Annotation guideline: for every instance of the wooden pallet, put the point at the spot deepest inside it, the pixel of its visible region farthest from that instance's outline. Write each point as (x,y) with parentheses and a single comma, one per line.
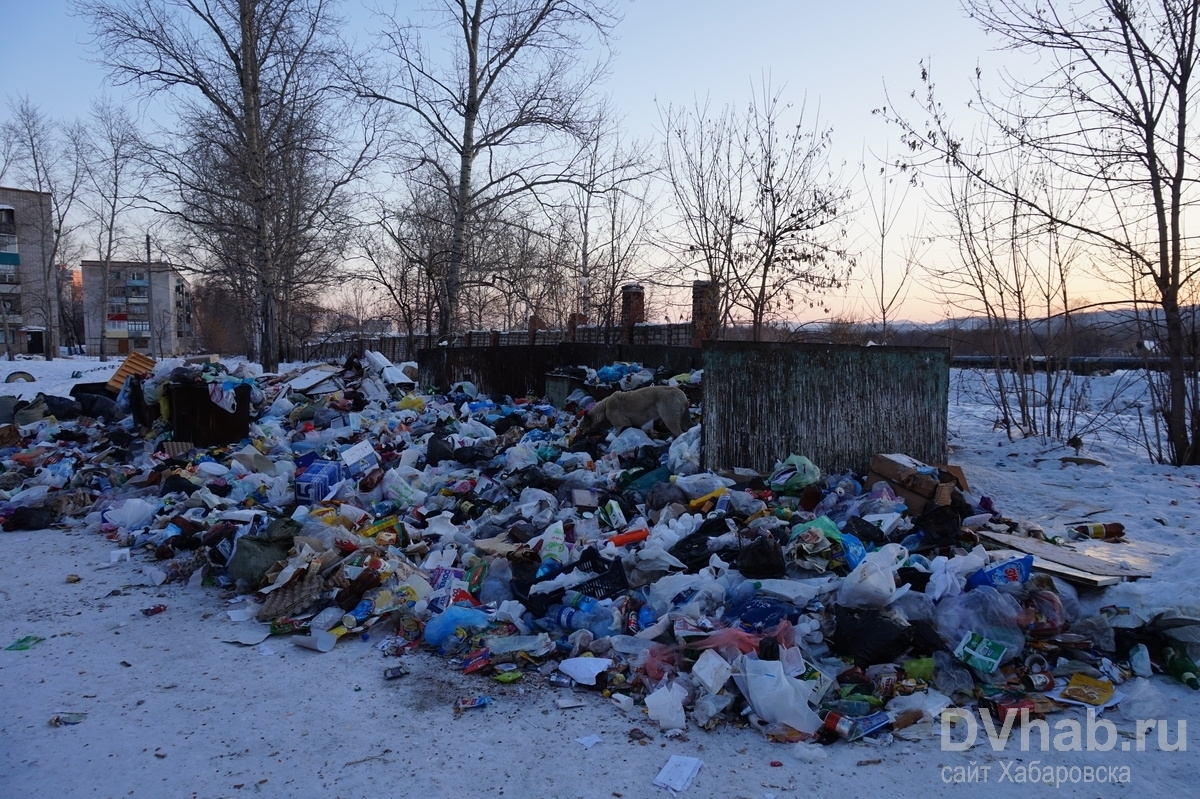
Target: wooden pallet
(135,364)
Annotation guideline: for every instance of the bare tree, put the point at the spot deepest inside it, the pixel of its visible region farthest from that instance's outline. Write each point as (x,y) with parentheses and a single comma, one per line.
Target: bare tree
(514,97)
(705,173)
(114,186)
(259,162)
(610,216)
(890,286)
(1111,107)
(761,205)
(48,157)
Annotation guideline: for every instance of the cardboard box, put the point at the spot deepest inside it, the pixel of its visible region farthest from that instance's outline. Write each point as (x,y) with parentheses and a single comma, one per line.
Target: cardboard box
(912,475)
(915,502)
(318,478)
(360,459)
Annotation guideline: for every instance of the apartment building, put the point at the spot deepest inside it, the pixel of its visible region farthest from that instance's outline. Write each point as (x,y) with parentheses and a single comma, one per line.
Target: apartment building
(148,309)
(29,303)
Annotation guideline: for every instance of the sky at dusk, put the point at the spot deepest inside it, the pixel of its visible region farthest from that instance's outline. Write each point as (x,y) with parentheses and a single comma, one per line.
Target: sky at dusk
(835,58)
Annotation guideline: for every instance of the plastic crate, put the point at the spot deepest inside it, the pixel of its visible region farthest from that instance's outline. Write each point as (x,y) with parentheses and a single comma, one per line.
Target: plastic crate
(609,581)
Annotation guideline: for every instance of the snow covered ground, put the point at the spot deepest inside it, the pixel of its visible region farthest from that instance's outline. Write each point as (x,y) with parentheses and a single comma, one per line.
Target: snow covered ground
(175,711)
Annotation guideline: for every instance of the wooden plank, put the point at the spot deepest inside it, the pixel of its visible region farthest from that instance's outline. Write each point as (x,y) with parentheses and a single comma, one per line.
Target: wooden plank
(1063,556)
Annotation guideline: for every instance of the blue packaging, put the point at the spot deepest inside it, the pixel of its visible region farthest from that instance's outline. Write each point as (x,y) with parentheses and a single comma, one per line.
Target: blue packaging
(318,478)
(1013,571)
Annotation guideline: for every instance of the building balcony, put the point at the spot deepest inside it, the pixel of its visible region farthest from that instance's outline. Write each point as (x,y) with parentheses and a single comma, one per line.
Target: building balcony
(132,282)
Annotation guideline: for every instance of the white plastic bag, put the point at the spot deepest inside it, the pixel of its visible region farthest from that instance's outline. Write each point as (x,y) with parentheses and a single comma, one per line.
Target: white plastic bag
(131,514)
(775,696)
(868,586)
(712,671)
(665,707)
(683,457)
(629,440)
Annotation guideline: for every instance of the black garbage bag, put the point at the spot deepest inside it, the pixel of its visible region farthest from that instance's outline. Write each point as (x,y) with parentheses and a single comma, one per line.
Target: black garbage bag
(62,408)
(473,455)
(865,531)
(925,639)
(762,559)
(174,484)
(26,518)
(870,635)
(100,407)
(910,575)
(693,550)
(438,450)
(940,525)
(506,423)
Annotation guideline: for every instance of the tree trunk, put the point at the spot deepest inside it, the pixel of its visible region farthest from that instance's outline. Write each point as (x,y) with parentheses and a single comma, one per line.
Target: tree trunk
(1182,452)
(448,312)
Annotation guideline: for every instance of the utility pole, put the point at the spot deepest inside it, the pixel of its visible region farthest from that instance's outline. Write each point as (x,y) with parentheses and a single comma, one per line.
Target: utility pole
(7,335)
(149,298)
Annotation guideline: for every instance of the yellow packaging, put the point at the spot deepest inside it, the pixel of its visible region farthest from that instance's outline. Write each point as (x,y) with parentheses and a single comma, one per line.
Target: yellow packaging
(1089,690)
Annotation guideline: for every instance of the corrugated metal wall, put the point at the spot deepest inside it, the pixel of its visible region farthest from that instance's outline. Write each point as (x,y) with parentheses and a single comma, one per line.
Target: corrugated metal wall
(838,405)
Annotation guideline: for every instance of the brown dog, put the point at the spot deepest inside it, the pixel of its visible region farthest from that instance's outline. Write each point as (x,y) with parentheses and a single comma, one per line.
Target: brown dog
(636,408)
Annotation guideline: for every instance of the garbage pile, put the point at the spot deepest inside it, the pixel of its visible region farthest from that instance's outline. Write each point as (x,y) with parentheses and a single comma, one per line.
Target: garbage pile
(812,606)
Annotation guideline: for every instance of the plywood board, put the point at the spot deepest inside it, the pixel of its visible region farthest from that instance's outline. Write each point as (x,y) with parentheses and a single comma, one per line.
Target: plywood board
(1065,572)
(1064,556)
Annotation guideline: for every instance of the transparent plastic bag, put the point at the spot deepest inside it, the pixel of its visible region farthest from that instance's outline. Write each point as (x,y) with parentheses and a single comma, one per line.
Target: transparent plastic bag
(985,611)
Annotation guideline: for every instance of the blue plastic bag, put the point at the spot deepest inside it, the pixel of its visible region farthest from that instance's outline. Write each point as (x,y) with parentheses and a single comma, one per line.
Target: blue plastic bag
(440,630)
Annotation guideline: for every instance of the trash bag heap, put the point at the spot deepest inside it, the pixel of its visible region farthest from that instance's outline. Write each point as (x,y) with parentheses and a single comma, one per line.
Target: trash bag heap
(811,606)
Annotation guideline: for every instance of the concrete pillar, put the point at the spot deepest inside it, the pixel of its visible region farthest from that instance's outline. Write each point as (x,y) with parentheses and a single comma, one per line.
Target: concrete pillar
(706,309)
(633,310)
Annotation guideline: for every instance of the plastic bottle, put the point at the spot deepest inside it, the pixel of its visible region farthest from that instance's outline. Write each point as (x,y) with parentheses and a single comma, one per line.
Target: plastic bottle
(1181,667)
(722,508)
(599,620)
(1098,530)
(373,602)
(631,537)
(554,549)
(496,585)
(580,601)
(849,707)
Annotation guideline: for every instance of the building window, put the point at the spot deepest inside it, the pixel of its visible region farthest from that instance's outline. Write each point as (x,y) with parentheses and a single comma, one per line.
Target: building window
(12,302)
(116,307)
(115,274)
(139,292)
(137,275)
(138,327)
